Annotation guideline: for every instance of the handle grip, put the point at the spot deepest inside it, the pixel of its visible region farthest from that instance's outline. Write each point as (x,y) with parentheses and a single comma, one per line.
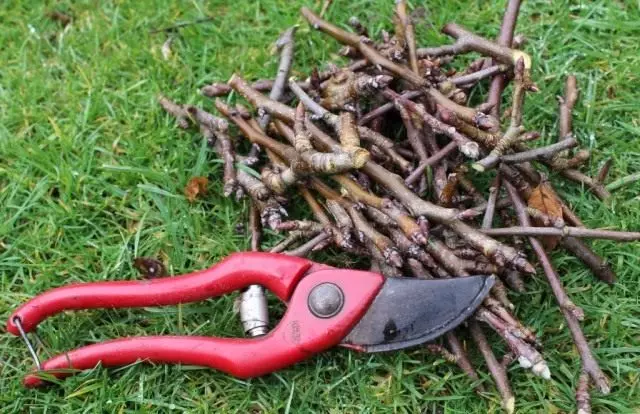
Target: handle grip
(224,354)
(278,273)
(299,335)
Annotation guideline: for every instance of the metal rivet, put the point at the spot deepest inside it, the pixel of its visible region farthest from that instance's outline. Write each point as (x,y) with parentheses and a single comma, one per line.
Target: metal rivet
(325,300)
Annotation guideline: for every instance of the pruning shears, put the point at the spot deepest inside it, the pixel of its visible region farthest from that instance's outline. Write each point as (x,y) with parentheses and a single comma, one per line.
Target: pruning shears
(327,306)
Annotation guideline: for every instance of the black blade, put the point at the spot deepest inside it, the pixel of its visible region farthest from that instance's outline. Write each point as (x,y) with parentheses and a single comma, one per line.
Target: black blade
(410,312)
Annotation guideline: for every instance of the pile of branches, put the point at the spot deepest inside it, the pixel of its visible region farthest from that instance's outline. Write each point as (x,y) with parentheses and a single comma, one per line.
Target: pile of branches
(383,151)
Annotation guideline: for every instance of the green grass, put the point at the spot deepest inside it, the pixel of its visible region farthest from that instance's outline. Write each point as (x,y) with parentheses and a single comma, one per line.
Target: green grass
(92,172)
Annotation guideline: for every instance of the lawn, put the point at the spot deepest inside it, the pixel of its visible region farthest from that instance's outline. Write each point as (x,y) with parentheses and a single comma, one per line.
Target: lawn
(92,173)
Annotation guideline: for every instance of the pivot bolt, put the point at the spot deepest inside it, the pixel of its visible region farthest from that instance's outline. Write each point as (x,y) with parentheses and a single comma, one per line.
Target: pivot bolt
(325,300)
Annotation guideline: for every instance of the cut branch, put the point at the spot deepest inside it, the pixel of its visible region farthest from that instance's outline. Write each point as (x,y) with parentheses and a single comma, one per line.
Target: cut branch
(565,231)
(571,313)
(621,182)
(505,38)
(469,42)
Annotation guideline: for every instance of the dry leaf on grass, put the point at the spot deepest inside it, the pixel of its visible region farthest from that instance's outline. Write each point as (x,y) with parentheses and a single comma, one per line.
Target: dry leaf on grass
(166,49)
(196,187)
(149,267)
(544,199)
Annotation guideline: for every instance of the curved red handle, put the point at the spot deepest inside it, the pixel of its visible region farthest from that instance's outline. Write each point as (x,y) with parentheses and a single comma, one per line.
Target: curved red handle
(278,273)
(299,335)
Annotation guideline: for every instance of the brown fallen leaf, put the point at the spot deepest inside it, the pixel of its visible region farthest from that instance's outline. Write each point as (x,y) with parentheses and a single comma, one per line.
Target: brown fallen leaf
(449,190)
(545,200)
(60,17)
(196,187)
(149,267)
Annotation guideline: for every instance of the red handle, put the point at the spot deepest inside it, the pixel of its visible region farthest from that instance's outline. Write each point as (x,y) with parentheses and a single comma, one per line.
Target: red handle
(278,273)
(298,336)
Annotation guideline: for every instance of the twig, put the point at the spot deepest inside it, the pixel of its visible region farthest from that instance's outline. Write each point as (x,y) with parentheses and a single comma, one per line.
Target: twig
(569,310)
(544,219)
(486,138)
(384,244)
(595,187)
(383,109)
(494,190)
(500,253)
(505,38)
(342,218)
(528,356)
(522,83)
(432,160)
(413,135)
(409,35)
(229,176)
(324,219)
(285,44)
(472,78)
(566,107)
(552,277)
(560,162)
(498,372)
(306,248)
(565,231)
(462,359)
(621,182)
(583,400)
(487,221)
(271,212)
(178,111)
(604,171)
(306,226)
(599,267)
(539,153)
(469,42)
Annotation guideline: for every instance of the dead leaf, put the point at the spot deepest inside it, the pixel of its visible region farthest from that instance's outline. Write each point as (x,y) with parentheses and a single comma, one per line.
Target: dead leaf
(166,48)
(149,267)
(63,18)
(544,199)
(196,187)
(448,191)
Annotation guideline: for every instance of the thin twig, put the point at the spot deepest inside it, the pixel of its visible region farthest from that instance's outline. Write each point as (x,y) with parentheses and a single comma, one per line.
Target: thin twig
(409,35)
(539,153)
(565,231)
(472,78)
(383,109)
(567,103)
(469,42)
(621,182)
(505,38)
(552,277)
(286,46)
(595,187)
(498,372)
(599,267)
(432,160)
(462,359)
(569,310)
(306,248)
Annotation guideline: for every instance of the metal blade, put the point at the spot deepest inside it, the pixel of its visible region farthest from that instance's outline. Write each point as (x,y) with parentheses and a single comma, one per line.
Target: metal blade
(410,312)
